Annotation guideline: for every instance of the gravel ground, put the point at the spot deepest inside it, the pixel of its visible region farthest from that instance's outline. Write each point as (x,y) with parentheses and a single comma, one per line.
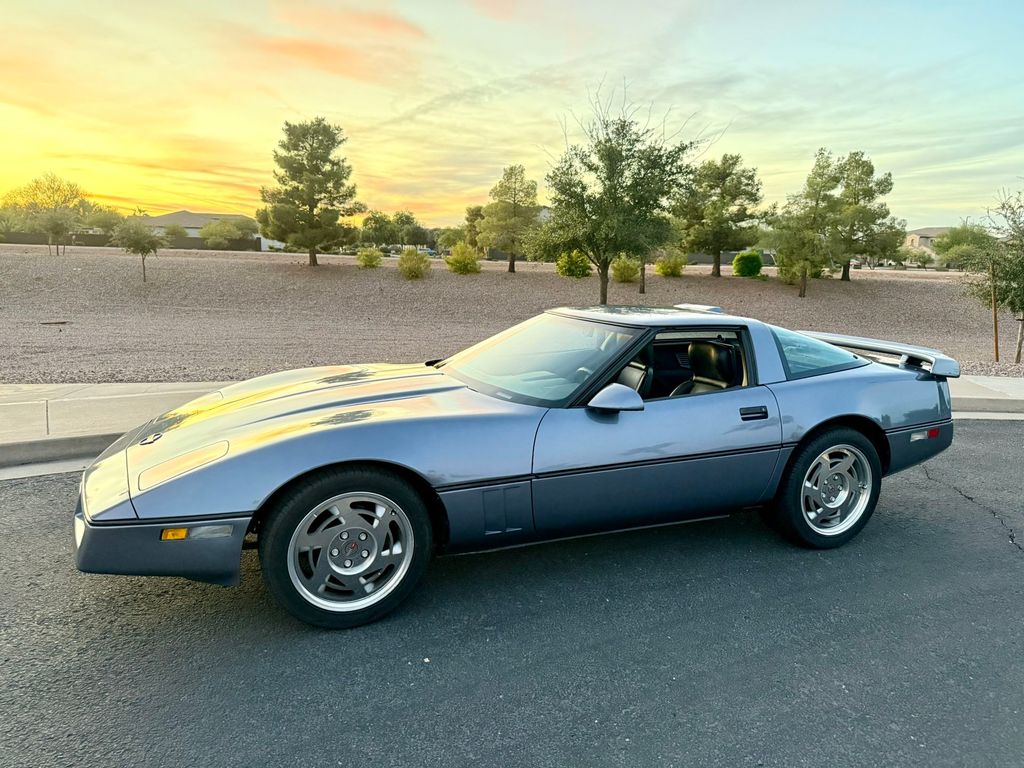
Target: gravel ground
(205,316)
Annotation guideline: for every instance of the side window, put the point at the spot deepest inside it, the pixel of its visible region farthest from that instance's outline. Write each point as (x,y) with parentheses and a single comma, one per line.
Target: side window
(685,361)
(803,356)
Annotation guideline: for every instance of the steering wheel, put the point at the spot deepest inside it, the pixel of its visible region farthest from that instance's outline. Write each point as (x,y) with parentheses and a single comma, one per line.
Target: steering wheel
(582,374)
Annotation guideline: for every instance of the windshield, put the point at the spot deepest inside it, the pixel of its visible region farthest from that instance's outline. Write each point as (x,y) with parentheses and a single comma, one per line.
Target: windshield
(542,361)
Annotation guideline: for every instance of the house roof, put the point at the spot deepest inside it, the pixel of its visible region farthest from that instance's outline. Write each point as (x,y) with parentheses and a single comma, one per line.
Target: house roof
(929,231)
(187,218)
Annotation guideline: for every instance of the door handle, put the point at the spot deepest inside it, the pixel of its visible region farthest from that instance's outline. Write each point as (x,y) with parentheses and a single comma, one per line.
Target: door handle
(754,412)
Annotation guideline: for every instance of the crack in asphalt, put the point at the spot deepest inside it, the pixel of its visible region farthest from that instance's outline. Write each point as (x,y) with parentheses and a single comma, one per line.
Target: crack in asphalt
(1011,535)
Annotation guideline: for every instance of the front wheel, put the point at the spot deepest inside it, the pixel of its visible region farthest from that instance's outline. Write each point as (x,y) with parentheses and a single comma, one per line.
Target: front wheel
(345,547)
(829,490)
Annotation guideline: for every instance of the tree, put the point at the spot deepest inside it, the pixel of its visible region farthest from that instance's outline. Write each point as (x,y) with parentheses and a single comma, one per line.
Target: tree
(313,190)
(12,219)
(474,215)
(1004,281)
(885,242)
(174,232)
(542,243)
(103,218)
(247,228)
(610,195)
(51,205)
(48,192)
(714,208)
(799,232)
(963,245)
(379,229)
(135,237)
(449,237)
(57,225)
(403,221)
(863,226)
(218,233)
(512,214)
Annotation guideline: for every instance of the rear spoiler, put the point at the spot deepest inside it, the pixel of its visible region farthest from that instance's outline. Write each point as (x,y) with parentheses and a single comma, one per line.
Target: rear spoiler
(930,360)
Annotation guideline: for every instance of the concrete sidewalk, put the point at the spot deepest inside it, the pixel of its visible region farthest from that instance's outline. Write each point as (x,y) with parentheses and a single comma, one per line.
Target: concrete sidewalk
(49,422)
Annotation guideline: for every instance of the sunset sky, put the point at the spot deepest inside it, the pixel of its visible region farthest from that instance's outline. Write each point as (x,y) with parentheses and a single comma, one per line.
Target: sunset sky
(174,105)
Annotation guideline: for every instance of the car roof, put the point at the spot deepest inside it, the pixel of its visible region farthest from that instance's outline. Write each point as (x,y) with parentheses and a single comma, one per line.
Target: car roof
(654,316)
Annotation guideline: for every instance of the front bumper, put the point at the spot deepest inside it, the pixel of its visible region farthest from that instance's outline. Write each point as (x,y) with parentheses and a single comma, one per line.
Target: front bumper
(211,552)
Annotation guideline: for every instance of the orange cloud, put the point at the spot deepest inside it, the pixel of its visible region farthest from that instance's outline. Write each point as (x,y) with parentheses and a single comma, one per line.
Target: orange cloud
(502,10)
(350,20)
(329,57)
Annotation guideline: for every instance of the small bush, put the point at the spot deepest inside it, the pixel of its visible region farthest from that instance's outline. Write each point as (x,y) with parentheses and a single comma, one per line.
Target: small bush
(413,265)
(747,264)
(625,270)
(369,258)
(671,264)
(573,264)
(463,260)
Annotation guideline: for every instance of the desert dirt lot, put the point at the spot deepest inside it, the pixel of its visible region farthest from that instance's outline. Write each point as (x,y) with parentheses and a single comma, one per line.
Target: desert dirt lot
(87,316)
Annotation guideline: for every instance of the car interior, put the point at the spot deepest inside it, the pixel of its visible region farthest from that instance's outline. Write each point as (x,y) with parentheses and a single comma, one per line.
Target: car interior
(680,363)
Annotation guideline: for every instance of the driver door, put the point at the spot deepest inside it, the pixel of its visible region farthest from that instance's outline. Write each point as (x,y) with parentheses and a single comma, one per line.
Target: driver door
(681,457)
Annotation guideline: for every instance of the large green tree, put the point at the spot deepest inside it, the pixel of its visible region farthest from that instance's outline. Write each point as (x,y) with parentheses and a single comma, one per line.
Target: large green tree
(379,229)
(313,192)
(800,232)
(511,215)
(474,215)
(963,246)
(611,193)
(715,207)
(862,226)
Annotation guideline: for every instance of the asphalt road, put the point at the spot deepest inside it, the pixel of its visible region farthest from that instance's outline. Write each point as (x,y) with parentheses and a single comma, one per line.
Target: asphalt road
(713,643)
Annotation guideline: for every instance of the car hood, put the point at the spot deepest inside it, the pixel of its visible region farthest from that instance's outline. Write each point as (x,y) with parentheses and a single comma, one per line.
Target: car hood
(278,406)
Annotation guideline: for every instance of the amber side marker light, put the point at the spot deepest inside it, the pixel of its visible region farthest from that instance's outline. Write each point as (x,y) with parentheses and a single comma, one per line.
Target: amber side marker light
(173,534)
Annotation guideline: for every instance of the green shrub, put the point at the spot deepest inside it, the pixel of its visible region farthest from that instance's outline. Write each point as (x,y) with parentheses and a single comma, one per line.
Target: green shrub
(573,264)
(369,258)
(747,264)
(413,265)
(789,269)
(463,260)
(671,263)
(625,270)
(922,258)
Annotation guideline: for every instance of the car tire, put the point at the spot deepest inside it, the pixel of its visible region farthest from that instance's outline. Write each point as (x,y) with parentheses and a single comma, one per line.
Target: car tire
(344,547)
(829,490)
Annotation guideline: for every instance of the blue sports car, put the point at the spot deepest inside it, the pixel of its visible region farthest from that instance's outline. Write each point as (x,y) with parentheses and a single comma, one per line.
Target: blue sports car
(349,479)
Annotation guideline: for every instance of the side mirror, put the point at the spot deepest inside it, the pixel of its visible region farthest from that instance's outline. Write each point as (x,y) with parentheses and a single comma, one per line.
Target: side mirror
(616,397)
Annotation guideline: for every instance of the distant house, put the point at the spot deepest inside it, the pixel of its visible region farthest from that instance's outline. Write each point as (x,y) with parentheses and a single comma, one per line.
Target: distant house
(924,237)
(192,222)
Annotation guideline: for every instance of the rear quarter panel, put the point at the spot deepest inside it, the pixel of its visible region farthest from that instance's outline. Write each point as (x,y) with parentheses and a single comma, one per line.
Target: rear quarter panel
(897,400)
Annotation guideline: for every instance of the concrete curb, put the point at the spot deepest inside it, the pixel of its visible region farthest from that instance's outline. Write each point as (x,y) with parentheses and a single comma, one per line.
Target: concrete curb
(54,449)
(988,404)
(89,446)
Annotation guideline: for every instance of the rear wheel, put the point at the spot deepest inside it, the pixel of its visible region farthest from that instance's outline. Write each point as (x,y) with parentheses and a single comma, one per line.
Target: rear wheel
(829,490)
(345,547)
